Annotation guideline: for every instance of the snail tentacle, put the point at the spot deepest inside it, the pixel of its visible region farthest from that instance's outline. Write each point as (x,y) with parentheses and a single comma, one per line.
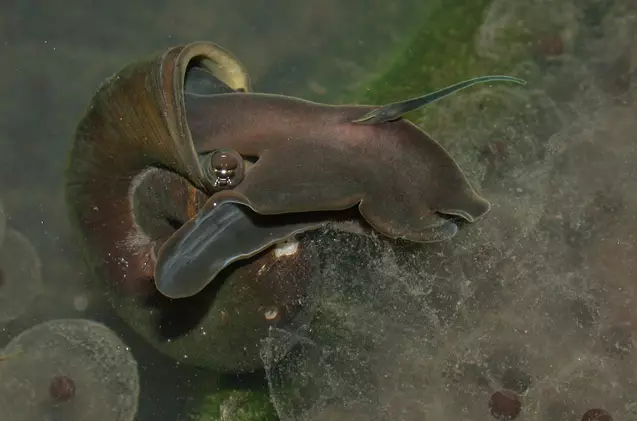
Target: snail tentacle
(396,110)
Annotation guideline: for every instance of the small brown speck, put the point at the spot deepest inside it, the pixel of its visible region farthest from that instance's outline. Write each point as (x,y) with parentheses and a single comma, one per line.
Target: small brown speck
(550,46)
(62,388)
(596,414)
(505,405)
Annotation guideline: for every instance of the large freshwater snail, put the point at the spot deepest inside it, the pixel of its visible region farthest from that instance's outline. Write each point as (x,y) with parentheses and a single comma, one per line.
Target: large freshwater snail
(178,172)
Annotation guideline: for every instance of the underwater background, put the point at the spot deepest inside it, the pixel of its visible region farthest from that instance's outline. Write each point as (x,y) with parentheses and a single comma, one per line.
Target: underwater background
(529,314)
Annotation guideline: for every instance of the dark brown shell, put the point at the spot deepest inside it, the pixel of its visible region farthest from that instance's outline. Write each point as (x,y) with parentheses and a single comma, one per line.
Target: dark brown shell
(135,125)
(133,177)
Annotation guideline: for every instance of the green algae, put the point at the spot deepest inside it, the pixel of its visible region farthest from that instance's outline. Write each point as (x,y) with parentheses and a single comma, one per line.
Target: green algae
(236,405)
(439,54)
(442,52)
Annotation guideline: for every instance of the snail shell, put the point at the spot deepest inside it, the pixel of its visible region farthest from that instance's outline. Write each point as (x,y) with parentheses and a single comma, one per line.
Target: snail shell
(134,176)
(134,173)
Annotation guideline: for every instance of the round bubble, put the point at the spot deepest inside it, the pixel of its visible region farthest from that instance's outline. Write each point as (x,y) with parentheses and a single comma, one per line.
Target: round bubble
(65,370)
(20,275)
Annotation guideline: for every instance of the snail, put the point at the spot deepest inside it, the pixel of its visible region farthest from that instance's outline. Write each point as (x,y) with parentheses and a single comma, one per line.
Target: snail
(179,172)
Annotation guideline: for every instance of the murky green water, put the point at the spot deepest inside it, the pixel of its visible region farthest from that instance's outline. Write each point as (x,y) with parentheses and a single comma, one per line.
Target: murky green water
(527,313)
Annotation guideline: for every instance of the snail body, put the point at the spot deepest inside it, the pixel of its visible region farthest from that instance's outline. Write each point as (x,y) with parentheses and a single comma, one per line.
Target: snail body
(181,181)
